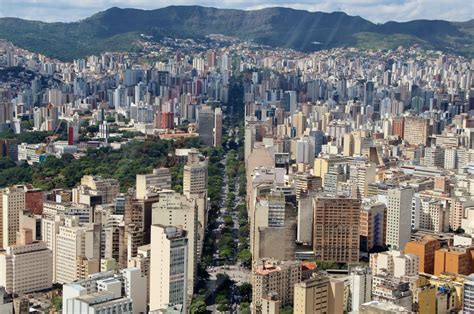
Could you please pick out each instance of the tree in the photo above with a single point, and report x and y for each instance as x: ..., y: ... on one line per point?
x: 198, y: 305
x: 57, y: 303
x: 244, y: 308
x: 244, y: 291
x: 223, y: 307
x: 245, y: 257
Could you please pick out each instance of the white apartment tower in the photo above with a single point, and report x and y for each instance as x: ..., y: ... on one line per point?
x: 361, y: 287
x: 174, y: 209
x: 77, y: 251
x: 399, y: 203
x: 194, y: 175
x: 13, y: 201
x: 168, y: 267
x: 27, y: 266
x: 160, y: 178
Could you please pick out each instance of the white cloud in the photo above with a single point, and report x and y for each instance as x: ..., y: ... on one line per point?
x: 374, y: 10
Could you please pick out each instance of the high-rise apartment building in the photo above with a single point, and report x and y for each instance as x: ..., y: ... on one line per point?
x: 299, y: 123
x: 336, y: 228
x: 217, y: 127
x: 399, y: 202
x: 194, y: 175
x: 425, y: 249
x: 27, y: 266
x: 168, y: 267
x: 434, y: 157
x: 361, y: 287
x: 394, y: 263
x: 108, y: 188
x: 415, y: 130
x: 373, y: 225
x: 456, y: 260
x: 174, y: 209
x: 206, y: 121
x: 362, y: 174
x: 272, y: 276
x: 312, y: 295
x: 159, y: 179
x: 77, y: 251
x: 13, y: 202
x: 272, y: 219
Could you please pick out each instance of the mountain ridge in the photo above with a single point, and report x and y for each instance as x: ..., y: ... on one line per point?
x: 116, y: 29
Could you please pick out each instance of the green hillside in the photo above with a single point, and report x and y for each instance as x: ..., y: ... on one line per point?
x: 117, y: 29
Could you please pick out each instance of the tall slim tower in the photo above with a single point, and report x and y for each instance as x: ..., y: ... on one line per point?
x: 361, y: 287
x: 194, y: 175
x: 399, y: 203
x: 217, y: 127
x: 206, y: 125
x: 175, y: 209
x: 168, y: 267
x: 13, y: 201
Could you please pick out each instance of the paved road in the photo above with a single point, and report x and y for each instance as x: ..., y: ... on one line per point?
x: 236, y: 273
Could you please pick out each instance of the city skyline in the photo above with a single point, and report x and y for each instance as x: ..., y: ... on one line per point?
x: 192, y: 160
x: 374, y: 11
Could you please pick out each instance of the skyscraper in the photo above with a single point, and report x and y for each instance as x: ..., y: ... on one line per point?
x: 26, y: 266
x: 174, y: 209
x: 369, y: 94
x: 77, y: 251
x: 217, y: 127
x: 399, y: 203
x: 373, y: 225
x: 272, y: 276
x: 415, y: 130
x: 206, y: 125
x: 194, y: 175
x: 311, y: 296
x: 159, y: 178
x: 13, y: 201
x: 361, y: 287
x: 336, y: 229
x: 168, y: 267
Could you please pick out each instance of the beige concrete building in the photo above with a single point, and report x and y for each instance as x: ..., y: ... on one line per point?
x: 322, y: 165
x: 271, y: 304
x: 174, y: 209
x: 13, y: 202
x: 108, y: 188
x: 416, y: 130
x: 272, y: 276
x: 394, y: 263
x: 194, y: 175
x: 299, y: 123
x: 77, y: 251
x: 27, y: 266
x: 49, y: 230
x: 159, y: 179
x: 273, y: 220
x: 362, y: 173
x: 336, y: 229
x: 311, y: 296
x: 168, y: 267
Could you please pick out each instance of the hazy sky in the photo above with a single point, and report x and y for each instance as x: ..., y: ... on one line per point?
x: 374, y: 10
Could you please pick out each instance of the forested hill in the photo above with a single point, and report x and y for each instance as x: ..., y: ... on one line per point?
x: 116, y: 29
